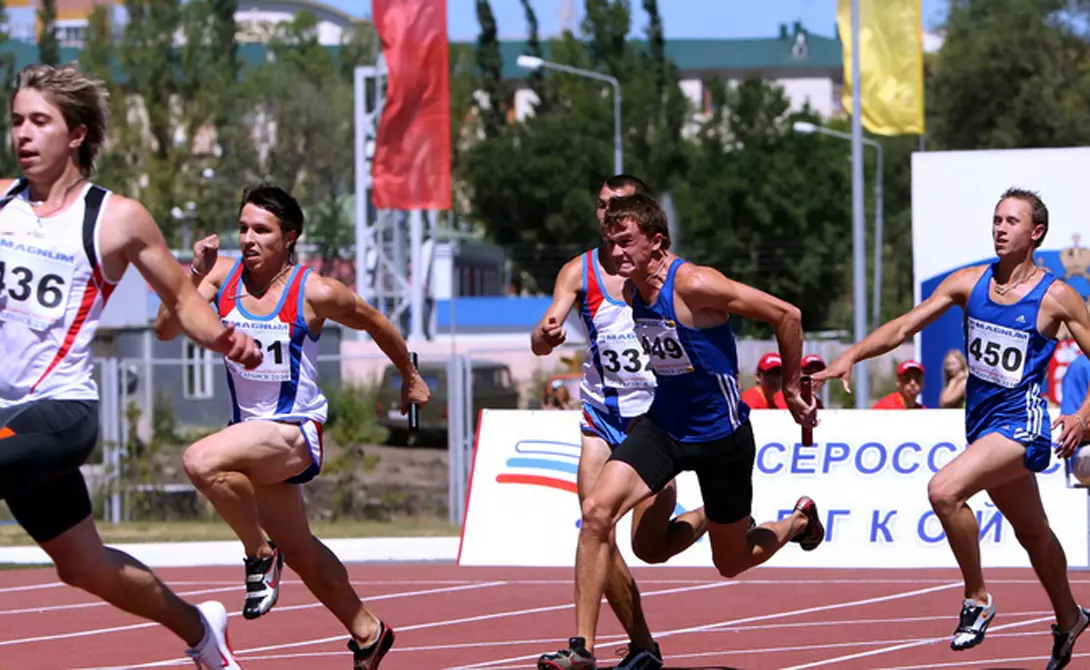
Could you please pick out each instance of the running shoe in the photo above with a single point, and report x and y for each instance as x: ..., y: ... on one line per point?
x: 214, y: 651
x: 262, y: 583
x: 641, y: 659
x: 368, y: 658
x: 814, y: 533
x: 575, y: 657
x: 972, y: 624
x: 1064, y: 642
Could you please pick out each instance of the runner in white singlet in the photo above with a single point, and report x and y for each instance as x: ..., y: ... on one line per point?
x: 617, y: 387
x: 64, y: 244
x: 251, y: 470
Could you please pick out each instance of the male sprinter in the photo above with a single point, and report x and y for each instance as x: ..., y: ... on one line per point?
x: 252, y: 470
x: 617, y: 387
x: 64, y: 245
x: 1013, y: 310
x: 696, y: 421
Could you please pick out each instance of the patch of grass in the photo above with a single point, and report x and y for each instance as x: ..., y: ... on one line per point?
x: 197, y: 531
x: 24, y: 566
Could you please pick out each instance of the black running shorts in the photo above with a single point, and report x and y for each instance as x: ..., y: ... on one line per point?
x: 42, y: 445
x: 723, y: 467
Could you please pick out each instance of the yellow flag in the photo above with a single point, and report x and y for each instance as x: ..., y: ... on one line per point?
x: 890, y: 64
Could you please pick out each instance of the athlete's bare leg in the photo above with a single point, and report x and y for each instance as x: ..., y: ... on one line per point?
x: 1019, y: 501
x: 84, y: 562
x: 990, y: 462
x: 621, y: 591
x: 284, y: 517
x: 656, y: 535
x: 227, y: 467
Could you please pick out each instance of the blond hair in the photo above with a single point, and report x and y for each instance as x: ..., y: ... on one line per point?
x: 81, y: 100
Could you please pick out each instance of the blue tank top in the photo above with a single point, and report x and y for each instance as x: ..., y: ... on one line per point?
x: 697, y: 398
x: 1008, y: 362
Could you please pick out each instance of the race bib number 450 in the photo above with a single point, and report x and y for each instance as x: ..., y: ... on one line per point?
x: 663, y: 346
x: 274, y: 340
x: 34, y: 284
x: 997, y: 354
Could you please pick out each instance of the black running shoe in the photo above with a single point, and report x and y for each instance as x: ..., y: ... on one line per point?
x: 641, y: 659
x: 262, y: 583
x: 972, y: 624
x: 1063, y: 643
x: 368, y: 658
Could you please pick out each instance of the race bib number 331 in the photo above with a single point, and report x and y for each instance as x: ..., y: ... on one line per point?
x: 274, y: 339
x: 997, y: 354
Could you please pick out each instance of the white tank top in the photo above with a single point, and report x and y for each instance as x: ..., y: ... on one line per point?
x: 616, y: 371
x: 52, y: 292
x: 284, y: 387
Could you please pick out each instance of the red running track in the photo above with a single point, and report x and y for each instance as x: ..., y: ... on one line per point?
x: 487, y: 619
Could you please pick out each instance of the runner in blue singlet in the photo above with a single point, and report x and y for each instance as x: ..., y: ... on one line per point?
x: 1013, y: 310
x: 617, y: 387
x: 696, y: 421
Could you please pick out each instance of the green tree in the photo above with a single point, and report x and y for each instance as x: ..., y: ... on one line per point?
x: 493, y: 109
x: 986, y: 95
x: 97, y: 59
x: 768, y: 205
x: 49, y: 49
x: 8, y: 163
x: 536, y: 78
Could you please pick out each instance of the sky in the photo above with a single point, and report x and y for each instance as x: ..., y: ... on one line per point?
x: 681, y: 18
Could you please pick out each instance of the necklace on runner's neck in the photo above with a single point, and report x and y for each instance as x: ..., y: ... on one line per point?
x: 1009, y: 286
x: 258, y: 294
x: 34, y: 204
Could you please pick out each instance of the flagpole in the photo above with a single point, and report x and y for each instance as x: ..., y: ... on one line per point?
x: 859, y: 262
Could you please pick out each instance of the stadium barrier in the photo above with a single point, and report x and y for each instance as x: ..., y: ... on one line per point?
x: 868, y: 472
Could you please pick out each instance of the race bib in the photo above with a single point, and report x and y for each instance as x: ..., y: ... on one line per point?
x: 997, y: 354
x: 35, y: 283
x: 624, y: 363
x: 274, y: 340
x: 662, y: 345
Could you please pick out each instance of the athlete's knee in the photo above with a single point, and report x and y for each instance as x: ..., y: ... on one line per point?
x: 650, y: 550
x: 730, y: 564
x: 598, y: 517
x: 943, y: 495
x: 201, y: 464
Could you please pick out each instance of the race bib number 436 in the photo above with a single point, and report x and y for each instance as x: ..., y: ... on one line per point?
x: 34, y: 284
x: 997, y: 354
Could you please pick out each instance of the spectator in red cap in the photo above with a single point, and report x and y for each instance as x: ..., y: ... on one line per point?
x: 811, y: 365
x: 909, y: 385
x: 769, y: 381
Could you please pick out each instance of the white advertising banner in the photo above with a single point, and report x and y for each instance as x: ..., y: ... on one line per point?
x: 868, y: 472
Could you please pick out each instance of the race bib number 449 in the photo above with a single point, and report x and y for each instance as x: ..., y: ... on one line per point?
x: 997, y: 354
x: 663, y: 346
x: 34, y: 284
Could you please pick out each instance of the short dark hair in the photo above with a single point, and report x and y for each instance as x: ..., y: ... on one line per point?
x: 280, y: 204
x: 1037, y: 207
x: 644, y: 210
x: 621, y: 182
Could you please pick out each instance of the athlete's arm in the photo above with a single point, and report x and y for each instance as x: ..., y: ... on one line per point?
x: 142, y: 244
x: 332, y: 300
x: 954, y: 290
x: 1072, y: 312
x: 166, y: 324
x: 550, y: 334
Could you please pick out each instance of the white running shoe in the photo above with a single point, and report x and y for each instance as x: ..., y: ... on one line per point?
x: 214, y: 651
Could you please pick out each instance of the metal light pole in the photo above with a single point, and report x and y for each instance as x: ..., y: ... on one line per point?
x: 535, y: 63
x: 879, y: 208
x: 859, y: 266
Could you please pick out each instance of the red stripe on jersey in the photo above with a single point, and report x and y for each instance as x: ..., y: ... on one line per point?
x: 90, y: 294
x: 230, y: 290
x: 289, y: 311
x: 594, y: 291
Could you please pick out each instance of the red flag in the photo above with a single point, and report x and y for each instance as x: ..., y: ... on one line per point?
x: 411, y: 168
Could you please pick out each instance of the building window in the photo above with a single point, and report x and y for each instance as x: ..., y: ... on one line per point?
x: 196, y: 372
